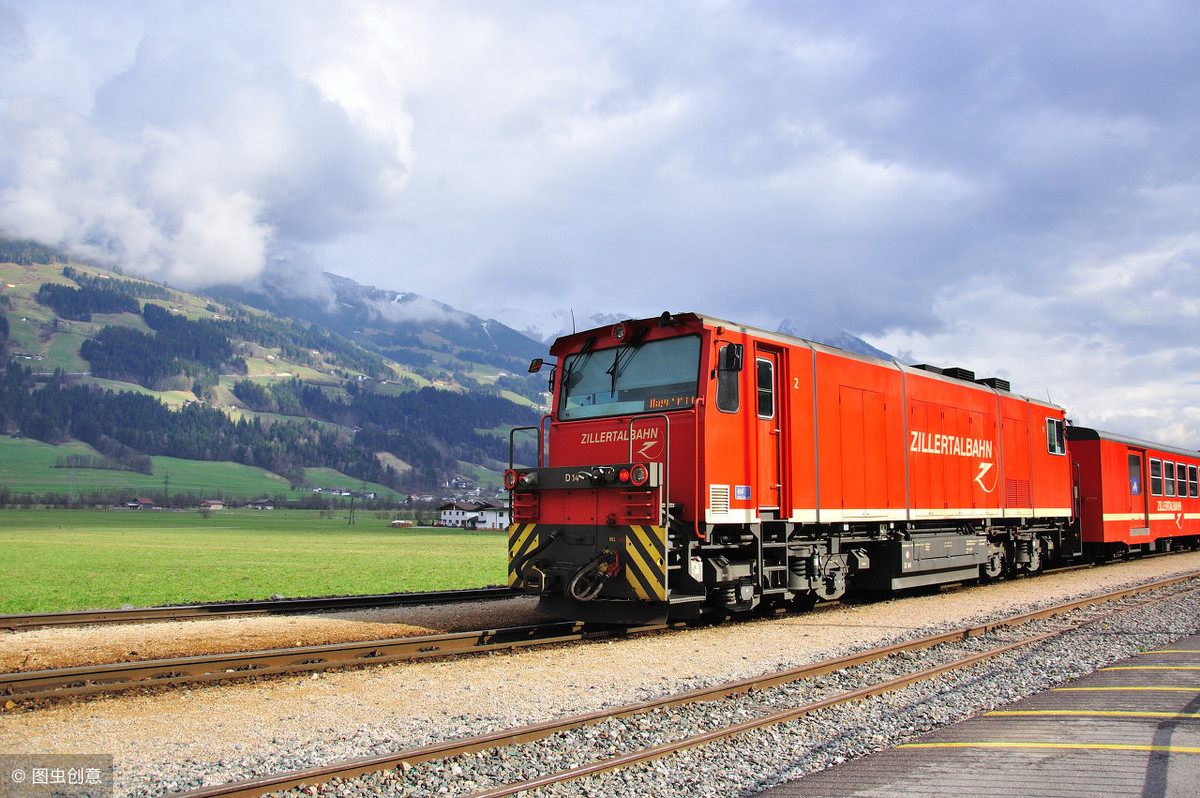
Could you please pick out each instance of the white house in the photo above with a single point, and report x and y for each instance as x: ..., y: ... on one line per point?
x: 474, y: 515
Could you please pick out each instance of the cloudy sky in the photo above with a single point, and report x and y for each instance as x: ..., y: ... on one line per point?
x: 1012, y: 187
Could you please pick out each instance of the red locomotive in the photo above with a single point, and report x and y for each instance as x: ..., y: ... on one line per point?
x: 692, y: 466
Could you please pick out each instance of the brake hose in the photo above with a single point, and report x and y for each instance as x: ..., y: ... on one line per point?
x: 593, y: 575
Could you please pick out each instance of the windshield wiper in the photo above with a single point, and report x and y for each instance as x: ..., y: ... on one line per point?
x: 621, y: 362
x: 576, y: 362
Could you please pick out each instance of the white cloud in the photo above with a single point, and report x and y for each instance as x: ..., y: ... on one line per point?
x: 1013, y: 188
x: 1110, y: 341
x: 192, y: 159
x: 415, y: 308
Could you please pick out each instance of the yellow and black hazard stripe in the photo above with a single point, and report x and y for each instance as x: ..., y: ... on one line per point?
x: 522, y: 539
x: 645, y: 562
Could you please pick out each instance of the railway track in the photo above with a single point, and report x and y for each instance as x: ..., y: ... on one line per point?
x: 413, y: 757
x: 60, y: 683
x: 230, y: 608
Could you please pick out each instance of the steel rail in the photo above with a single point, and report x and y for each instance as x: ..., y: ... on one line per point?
x: 87, y: 680
x: 266, y: 607
x: 353, y: 768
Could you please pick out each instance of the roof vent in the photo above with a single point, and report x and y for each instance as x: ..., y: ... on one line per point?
x: 927, y: 367
x: 997, y: 383
x: 959, y: 373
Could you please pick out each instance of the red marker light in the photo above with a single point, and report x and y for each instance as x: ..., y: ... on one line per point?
x: 623, y: 475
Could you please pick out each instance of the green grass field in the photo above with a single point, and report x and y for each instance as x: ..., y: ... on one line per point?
x: 65, y: 559
x: 27, y: 466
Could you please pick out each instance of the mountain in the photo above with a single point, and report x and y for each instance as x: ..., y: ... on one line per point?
x: 378, y: 386
x: 408, y: 328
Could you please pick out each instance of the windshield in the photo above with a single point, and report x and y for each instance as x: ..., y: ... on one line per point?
x: 641, y: 378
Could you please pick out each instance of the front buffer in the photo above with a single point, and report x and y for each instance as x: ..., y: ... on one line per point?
x: 590, y: 542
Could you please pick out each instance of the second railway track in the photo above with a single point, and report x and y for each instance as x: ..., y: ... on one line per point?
x: 283, y: 606
x: 59, y: 683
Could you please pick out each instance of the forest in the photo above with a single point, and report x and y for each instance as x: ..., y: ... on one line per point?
x: 424, y: 428
x: 342, y: 422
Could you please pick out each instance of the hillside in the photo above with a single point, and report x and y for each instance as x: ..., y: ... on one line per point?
x: 428, y: 341
x: 133, y: 371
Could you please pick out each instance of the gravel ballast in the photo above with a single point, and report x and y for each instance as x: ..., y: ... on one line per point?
x: 170, y: 741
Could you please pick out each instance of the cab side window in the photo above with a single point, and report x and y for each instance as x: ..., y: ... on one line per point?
x: 1056, y: 442
x: 729, y: 382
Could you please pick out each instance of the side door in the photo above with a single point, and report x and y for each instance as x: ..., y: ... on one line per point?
x: 1137, y: 501
x: 768, y: 428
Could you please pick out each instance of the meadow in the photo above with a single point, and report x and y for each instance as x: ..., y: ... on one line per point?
x: 83, y: 559
x: 28, y: 466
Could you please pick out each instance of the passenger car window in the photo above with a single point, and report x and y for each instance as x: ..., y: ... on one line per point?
x: 1156, y: 480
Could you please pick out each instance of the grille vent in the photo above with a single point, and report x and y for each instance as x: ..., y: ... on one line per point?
x: 1017, y: 493
x: 718, y: 498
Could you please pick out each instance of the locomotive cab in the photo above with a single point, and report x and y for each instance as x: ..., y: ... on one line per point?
x: 591, y: 524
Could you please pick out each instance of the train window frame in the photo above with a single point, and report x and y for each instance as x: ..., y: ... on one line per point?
x: 1136, y: 482
x: 683, y: 352
x: 1056, y: 440
x: 1193, y: 482
x: 1156, y: 479
x: 766, y: 391
x: 1169, y: 478
x: 729, y: 381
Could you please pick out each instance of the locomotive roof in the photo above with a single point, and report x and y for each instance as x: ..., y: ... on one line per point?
x: 712, y: 321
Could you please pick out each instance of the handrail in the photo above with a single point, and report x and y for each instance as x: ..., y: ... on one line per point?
x: 512, y: 433
x: 665, y: 510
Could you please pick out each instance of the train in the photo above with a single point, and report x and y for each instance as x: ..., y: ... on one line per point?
x: 694, y: 468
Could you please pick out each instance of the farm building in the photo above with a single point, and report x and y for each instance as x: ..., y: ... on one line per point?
x: 474, y: 515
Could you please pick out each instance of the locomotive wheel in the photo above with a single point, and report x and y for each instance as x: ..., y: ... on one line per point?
x: 993, y: 568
